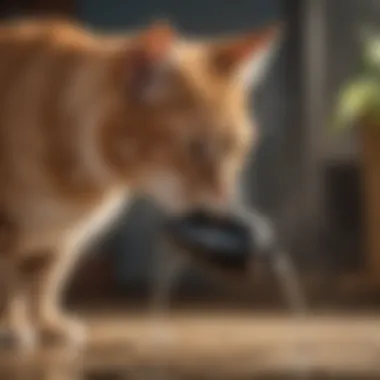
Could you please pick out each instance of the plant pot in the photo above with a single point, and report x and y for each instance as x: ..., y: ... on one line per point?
x: 370, y: 155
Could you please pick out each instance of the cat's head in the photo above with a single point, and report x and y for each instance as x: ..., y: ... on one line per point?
x: 185, y: 127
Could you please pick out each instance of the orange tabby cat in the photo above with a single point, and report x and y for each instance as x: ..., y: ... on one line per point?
x: 88, y: 121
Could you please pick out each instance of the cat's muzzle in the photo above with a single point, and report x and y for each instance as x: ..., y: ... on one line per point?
x: 233, y: 243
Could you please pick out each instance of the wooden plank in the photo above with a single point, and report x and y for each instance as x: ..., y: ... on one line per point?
x: 229, y: 345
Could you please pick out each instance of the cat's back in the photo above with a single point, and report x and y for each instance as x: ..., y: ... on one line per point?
x: 31, y: 49
x: 22, y: 40
x: 39, y: 59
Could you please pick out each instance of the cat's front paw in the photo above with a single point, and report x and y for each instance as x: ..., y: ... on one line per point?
x: 64, y: 330
x: 18, y: 337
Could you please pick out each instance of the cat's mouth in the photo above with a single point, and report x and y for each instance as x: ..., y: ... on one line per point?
x: 230, y: 243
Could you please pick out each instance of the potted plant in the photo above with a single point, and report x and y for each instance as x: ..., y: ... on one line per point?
x: 359, y: 105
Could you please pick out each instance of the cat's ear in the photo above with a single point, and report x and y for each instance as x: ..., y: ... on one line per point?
x: 148, y: 61
x: 247, y: 57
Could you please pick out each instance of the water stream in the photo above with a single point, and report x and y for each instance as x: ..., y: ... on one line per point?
x: 292, y: 290
x: 167, y: 270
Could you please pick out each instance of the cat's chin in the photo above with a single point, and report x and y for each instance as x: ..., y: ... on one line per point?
x: 170, y: 207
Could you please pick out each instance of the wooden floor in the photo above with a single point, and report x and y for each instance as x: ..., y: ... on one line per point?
x: 209, y: 345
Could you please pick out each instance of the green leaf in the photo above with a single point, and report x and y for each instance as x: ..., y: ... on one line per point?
x: 371, y: 53
x: 355, y: 100
x: 375, y: 106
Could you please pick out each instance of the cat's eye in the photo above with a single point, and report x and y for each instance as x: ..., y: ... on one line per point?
x: 227, y: 145
x: 199, y: 148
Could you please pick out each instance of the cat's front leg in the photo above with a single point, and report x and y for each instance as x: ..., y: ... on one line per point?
x: 53, y: 323
x: 18, y: 330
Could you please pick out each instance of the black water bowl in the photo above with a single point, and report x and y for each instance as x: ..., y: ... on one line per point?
x: 228, y: 243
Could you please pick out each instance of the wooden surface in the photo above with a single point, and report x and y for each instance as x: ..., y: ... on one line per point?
x: 208, y: 345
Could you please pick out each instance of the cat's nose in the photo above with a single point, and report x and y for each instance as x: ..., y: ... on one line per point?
x: 214, y: 206
x: 221, y: 202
